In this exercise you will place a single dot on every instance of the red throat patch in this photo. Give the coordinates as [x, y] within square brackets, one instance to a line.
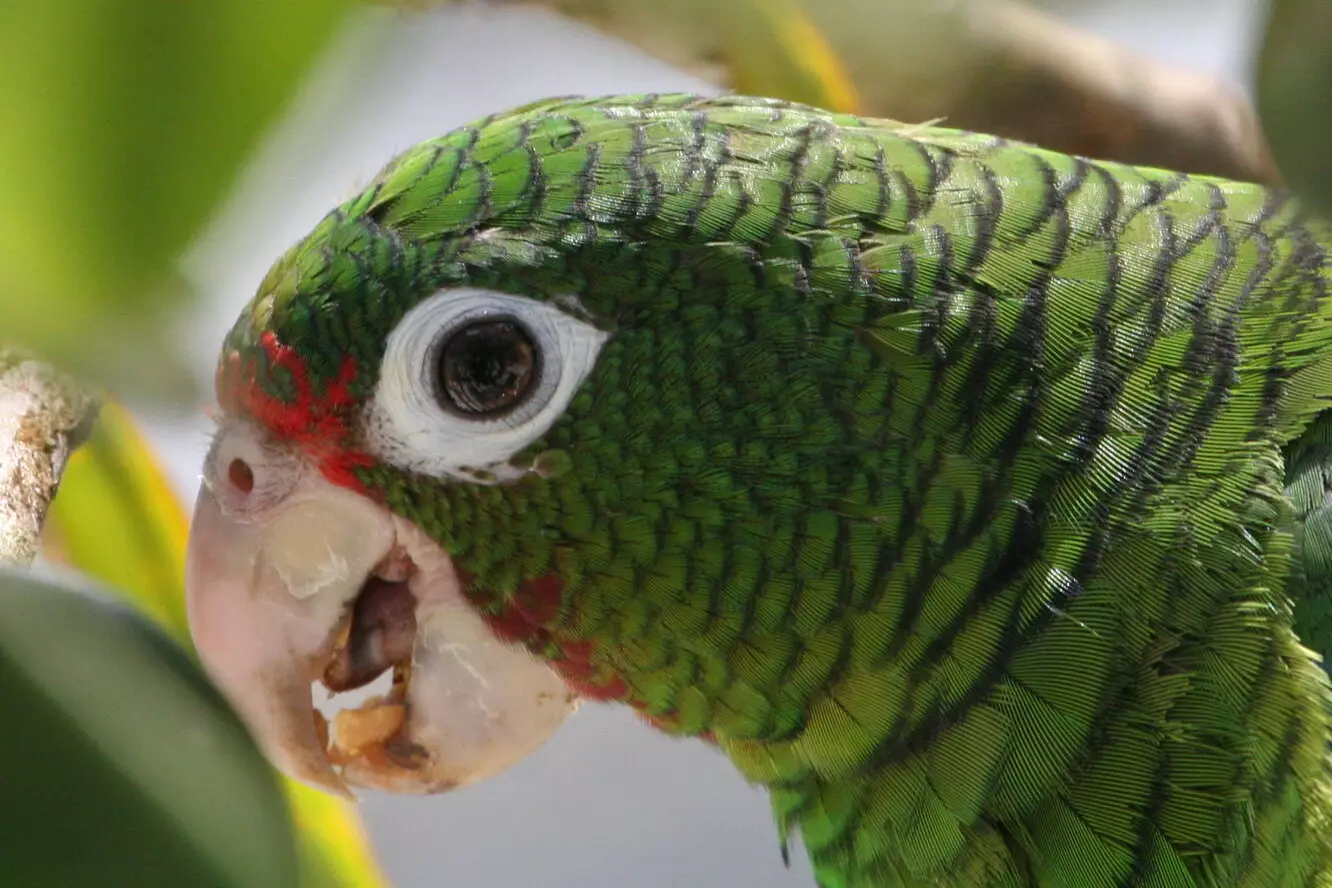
[317, 425]
[523, 619]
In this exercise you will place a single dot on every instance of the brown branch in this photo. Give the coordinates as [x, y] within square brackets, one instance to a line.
[994, 66]
[1017, 72]
[43, 417]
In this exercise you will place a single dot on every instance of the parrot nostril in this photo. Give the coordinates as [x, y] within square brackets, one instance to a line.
[241, 475]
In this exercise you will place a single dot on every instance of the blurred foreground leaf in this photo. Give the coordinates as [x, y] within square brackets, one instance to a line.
[125, 124]
[123, 767]
[1295, 94]
[117, 519]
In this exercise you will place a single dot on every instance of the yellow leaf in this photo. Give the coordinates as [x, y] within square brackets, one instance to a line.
[117, 519]
[774, 49]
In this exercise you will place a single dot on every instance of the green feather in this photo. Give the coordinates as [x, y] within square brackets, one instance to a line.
[959, 489]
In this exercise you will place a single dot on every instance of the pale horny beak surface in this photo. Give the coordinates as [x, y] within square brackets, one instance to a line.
[265, 604]
[271, 593]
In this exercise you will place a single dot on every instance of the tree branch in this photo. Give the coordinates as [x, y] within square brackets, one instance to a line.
[994, 66]
[43, 417]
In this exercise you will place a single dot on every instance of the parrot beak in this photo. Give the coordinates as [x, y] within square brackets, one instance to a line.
[263, 642]
[317, 584]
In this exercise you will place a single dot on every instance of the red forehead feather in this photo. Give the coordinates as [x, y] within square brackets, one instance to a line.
[316, 425]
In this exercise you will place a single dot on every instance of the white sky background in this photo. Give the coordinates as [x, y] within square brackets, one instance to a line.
[608, 802]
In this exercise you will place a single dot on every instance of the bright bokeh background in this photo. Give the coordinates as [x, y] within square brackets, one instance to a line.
[608, 802]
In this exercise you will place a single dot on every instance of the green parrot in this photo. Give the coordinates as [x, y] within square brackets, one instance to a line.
[973, 499]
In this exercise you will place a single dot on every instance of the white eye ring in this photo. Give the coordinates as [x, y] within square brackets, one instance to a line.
[405, 423]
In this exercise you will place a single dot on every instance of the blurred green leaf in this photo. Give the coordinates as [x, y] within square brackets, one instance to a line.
[117, 519]
[122, 765]
[125, 124]
[1295, 93]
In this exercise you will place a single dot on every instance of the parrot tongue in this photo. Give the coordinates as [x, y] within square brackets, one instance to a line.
[377, 636]
[327, 592]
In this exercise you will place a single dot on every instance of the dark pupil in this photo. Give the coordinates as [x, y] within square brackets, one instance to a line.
[487, 366]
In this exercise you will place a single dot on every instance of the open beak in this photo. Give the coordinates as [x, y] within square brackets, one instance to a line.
[326, 587]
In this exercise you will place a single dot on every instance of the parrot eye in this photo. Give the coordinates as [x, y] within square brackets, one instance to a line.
[471, 377]
[487, 367]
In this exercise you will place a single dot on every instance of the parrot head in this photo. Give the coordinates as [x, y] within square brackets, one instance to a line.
[525, 422]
